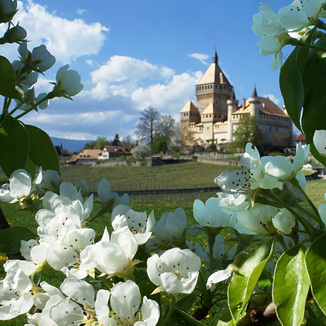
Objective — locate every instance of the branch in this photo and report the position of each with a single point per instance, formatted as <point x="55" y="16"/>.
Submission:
<point x="263" y="316"/>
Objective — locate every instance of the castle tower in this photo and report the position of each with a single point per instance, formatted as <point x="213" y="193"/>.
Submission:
<point x="214" y="88"/>
<point x="254" y="103"/>
<point x="232" y="107"/>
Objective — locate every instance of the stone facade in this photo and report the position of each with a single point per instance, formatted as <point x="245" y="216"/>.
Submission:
<point x="217" y="113"/>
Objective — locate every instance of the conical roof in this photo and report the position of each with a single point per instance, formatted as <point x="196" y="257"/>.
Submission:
<point x="214" y="74"/>
<point x="212" y="108"/>
<point x="189" y="107"/>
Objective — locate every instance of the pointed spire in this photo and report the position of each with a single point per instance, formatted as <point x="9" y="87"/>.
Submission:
<point x="233" y="96"/>
<point x="254" y="94"/>
<point x="215" y="58"/>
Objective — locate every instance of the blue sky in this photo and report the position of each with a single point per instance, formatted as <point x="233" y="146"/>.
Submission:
<point x="135" y="53"/>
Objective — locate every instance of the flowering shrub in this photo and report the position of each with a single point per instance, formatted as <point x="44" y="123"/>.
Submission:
<point x="121" y="276"/>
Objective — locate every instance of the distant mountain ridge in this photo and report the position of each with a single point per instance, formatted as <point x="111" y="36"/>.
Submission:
<point x="72" y="145"/>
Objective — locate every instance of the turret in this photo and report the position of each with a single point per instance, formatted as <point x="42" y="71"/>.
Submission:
<point x="232" y="106"/>
<point x="254" y="102"/>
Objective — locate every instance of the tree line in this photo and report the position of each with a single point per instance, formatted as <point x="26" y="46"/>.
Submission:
<point x="157" y="133"/>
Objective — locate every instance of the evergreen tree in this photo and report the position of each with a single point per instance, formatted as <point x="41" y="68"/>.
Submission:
<point x="116" y="141"/>
<point x="247" y="131"/>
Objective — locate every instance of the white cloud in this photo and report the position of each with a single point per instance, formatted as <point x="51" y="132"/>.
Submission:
<point x="120" y="68"/>
<point x="81" y="11"/>
<point x="200" y="56"/>
<point x="65" y="39"/>
<point x="273" y="98"/>
<point x="122" y="75"/>
<point x="90" y="62"/>
<point x="68" y="119"/>
<point x="170" y="97"/>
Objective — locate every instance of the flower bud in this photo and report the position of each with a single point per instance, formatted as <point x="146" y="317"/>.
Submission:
<point x="42" y="58"/>
<point x="16" y="34"/>
<point x="68" y="83"/>
<point x="8" y="9"/>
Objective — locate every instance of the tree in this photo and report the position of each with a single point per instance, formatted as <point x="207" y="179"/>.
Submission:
<point x="247" y="131"/>
<point x="100" y="142"/>
<point x="160" y="144"/>
<point x="141" y="151"/>
<point x="128" y="141"/>
<point x="89" y="145"/>
<point x="116" y="141"/>
<point x="147" y="125"/>
<point x="166" y="126"/>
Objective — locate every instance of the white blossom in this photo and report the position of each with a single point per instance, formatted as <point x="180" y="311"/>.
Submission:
<point x="319" y="140"/>
<point x="137" y="222"/>
<point x="175" y="271"/>
<point x="210" y="214"/>
<point x="125" y="302"/>
<point x="111" y="256"/>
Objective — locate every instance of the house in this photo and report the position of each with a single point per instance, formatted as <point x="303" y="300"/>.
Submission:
<point x="301" y="138"/>
<point x="91" y="155"/>
<point x="85" y="156"/>
<point x="115" y="151"/>
<point x="217" y="113"/>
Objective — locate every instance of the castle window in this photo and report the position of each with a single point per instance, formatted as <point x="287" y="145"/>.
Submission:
<point x="210" y="115"/>
<point x="207" y="128"/>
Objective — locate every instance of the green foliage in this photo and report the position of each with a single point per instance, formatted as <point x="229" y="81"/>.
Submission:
<point x="210" y="148"/>
<point x="244" y="280"/>
<point x="8" y="80"/>
<point x="10" y="238"/>
<point x="42" y="151"/>
<point x="100" y="142"/>
<point x="160" y="144"/>
<point x="14" y="145"/>
<point x="302" y="83"/>
<point x="247" y="131"/>
<point x="290" y="286"/>
<point x="24" y="147"/>
<point x="316" y="265"/>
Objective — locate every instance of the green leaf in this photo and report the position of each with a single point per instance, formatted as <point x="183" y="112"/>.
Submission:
<point x="315" y="67"/>
<point x="314" y="315"/>
<point x="223" y="323"/>
<point x="30" y="167"/>
<point x="244" y="281"/>
<point x="42" y="151"/>
<point x="292" y="87"/>
<point x="186" y="302"/>
<point x="14" y="145"/>
<point x="187" y="318"/>
<point x="313" y="117"/>
<point x="291" y="83"/>
<point x="290" y="287"/>
<point x="8" y="79"/>
<point x="316" y="266"/>
<point x="10" y="238"/>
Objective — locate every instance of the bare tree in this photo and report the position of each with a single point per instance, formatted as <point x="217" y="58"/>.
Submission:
<point x="166" y="126"/>
<point x="147" y="125"/>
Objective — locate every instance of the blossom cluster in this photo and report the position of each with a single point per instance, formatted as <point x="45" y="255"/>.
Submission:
<point x="100" y="285"/>
<point x="286" y="27"/>
<point x="66" y="245"/>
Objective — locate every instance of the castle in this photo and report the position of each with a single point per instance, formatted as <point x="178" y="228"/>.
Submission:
<point x="217" y="113"/>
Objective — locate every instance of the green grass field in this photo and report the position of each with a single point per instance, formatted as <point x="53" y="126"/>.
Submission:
<point x="184" y="175"/>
